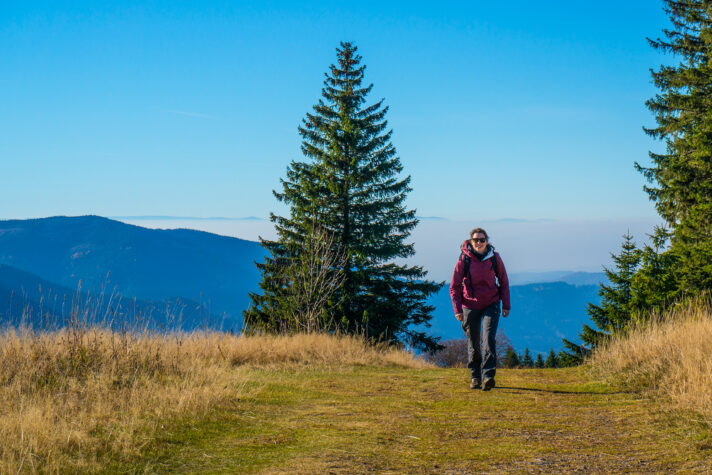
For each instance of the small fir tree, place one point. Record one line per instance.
(552, 361)
(615, 311)
(511, 360)
(527, 361)
(572, 354)
(350, 187)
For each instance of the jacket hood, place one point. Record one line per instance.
(467, 250)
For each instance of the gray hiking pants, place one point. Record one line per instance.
(480, 326)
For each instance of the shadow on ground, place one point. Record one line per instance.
(558, 391)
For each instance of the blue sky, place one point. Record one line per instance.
(499, 109)
(526, 110)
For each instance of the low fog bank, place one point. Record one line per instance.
(529, 246)
(526, 246)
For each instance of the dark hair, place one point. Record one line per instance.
(479, 230)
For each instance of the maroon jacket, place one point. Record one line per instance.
(478, 290)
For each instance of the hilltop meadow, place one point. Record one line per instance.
(326, 361)
(92, 400)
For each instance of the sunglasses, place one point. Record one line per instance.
(480, 240)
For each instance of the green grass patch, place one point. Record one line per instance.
(376, 419)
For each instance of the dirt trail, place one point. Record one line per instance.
(376, 420)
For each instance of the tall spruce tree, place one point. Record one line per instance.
(681, 178)
(350, 187)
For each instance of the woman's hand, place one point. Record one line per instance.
(505, 313)
(458, 316)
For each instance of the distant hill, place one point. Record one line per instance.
(26, 299)
(149, 264)
(583, 278)
(542, 314)
(568, 277)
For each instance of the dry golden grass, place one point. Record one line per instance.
(70, 400)
(670, 356)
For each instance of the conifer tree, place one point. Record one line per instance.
(552, 361)
(539, 362)
(527, 361)
(655, 285)
(681, 178)
(349, 186)
(615, 311)
(511, 360)
(572, 354)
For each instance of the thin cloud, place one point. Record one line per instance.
(191, 114)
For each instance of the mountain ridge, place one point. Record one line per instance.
(149, 264)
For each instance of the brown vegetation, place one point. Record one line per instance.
(669, 355)
(69, 398)
(454, 351)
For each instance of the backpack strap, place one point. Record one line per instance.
(495, 268)
(466, 270)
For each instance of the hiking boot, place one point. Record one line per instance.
(489, 384)
(475, 384)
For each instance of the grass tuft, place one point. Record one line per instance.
(71, 399)
(668, 356)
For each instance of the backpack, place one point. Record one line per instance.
(495, 268)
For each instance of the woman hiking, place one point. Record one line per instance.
(478, 285)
